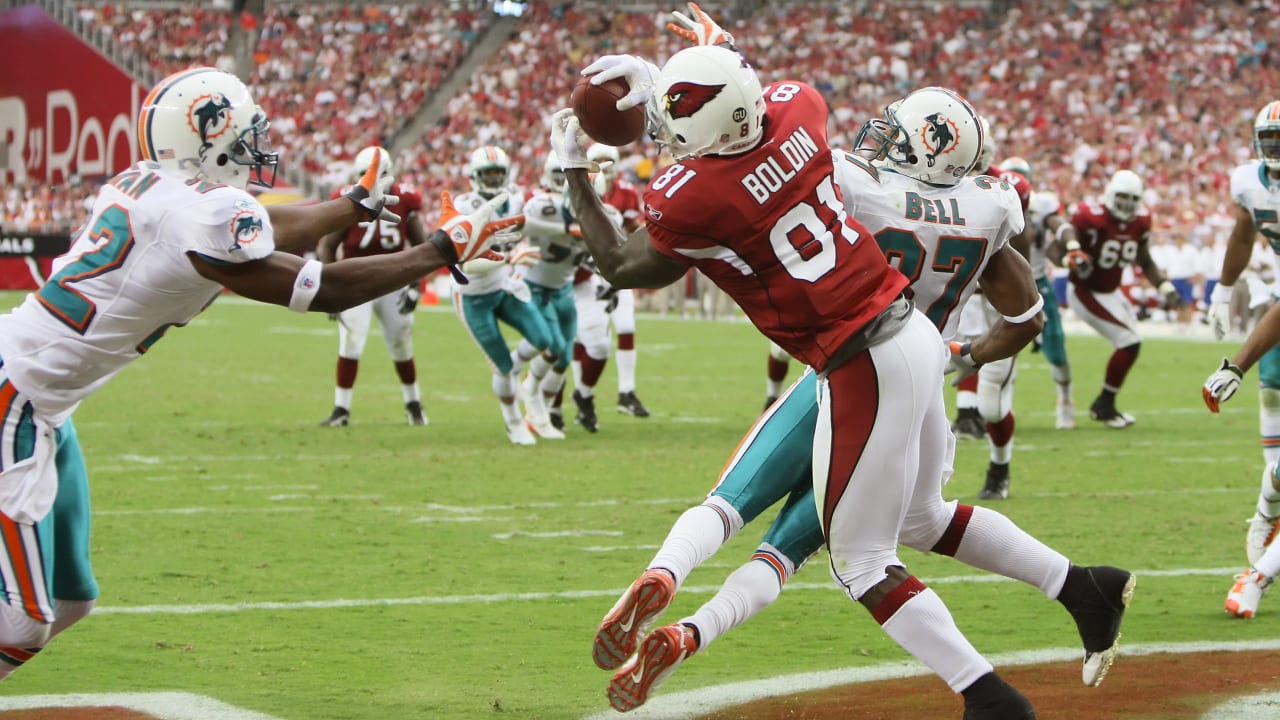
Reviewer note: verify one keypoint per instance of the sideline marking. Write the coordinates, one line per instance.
(163, 705)
(564, 595)
(692, 703)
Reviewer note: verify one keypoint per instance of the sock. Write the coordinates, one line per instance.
(538, 368)
(748, 590)
(348, 368)
(967, 393)
(1269, 495)
(1269, 423)
(696, 535)
(521, 356)
(985, 539)
(1062, 378)
(626, 360)
(776, 374)
(1118, 366)
(591, 371)
(1000, 439)
(916, 618)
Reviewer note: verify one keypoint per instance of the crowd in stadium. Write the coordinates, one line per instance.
(1167, 89)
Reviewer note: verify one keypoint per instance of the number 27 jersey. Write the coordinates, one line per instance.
(769, 228)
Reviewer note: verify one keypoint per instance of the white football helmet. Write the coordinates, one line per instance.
(1123, 194)
(202, 123)
(707, 101)
(1018, 165)
(489, 170)
(987, 154)
(365, 157)
(1266, 135)
(932, 135)
(552, 173)
(600, 153)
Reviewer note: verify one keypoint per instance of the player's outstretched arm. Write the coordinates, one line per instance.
(1224, 381)
(298, 224)
(1009, 286)
(625, 261)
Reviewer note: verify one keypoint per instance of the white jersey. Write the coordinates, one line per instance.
(1040, 207)
(125, 280)
(490, 281)
(939, 237)
(1259, 193)
(549, 227)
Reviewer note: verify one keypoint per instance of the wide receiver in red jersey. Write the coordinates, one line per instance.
(394, 311)
(1112, 235)
(752, 203)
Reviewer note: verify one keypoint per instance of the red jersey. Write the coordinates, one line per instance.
(1017, 180)
(624, 196)
(768, 226)
(377, 237)
(1110, 243)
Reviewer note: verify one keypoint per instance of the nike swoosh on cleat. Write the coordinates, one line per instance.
(638, 675)
(631, 620)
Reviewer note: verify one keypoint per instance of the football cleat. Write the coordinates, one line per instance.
(968, 424)
(1262, 530)
(1242, 600)
(659, 656)
(1099, 595)
(340, 417)
(1066, 416)
(1104, 411)
(519, 434)
(586, 412)
(413, 411)
(630, 404)
(997, 485)
(991, 698)
(557, 418)
(631, 617)
(543, 428)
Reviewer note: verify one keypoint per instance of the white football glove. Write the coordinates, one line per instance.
(470, 236)
(371, 193)
(699, 29)
(961, 362)
(1219, 313)
(1221, 385)
(640, 74)
(570, 142)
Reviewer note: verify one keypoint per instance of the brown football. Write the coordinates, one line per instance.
(596, 108)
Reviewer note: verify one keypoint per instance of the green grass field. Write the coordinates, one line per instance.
(385, 572)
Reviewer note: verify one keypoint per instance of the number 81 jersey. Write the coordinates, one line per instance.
(940, 238)
(767, 226)
(125, 280)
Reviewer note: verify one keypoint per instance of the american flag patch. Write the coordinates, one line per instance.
(165, 155)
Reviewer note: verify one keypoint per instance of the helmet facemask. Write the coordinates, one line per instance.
(252, 149)
(1266, 144)
(1123, 195)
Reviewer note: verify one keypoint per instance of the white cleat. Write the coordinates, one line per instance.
(519, 434)
(1262, 530)
(1246, 593)
(543, 428)
(1066, 419)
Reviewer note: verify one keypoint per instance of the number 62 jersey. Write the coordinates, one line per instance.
(125, 280)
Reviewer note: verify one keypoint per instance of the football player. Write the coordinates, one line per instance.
(164, 238)
(993, 390)
(395, 311)
(1255, 187)
(492, 293)
(824, 293)
(1049, 229)
(1110, 236)
(556, 235)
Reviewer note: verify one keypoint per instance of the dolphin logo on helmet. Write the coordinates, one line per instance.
(209, 116)
(938, 137)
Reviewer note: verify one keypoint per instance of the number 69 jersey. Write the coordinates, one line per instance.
(768, 227)
(125, 280)
(941, 238)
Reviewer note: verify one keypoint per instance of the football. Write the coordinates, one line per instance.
(596, 108)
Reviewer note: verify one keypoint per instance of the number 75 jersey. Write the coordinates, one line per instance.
(940, 238)
(125, 280)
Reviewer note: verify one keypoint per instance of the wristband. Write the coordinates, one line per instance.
(305, 286)
(1220, 297)
(1031, 312)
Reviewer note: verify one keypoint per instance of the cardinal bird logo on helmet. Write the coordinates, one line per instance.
(683, 99)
